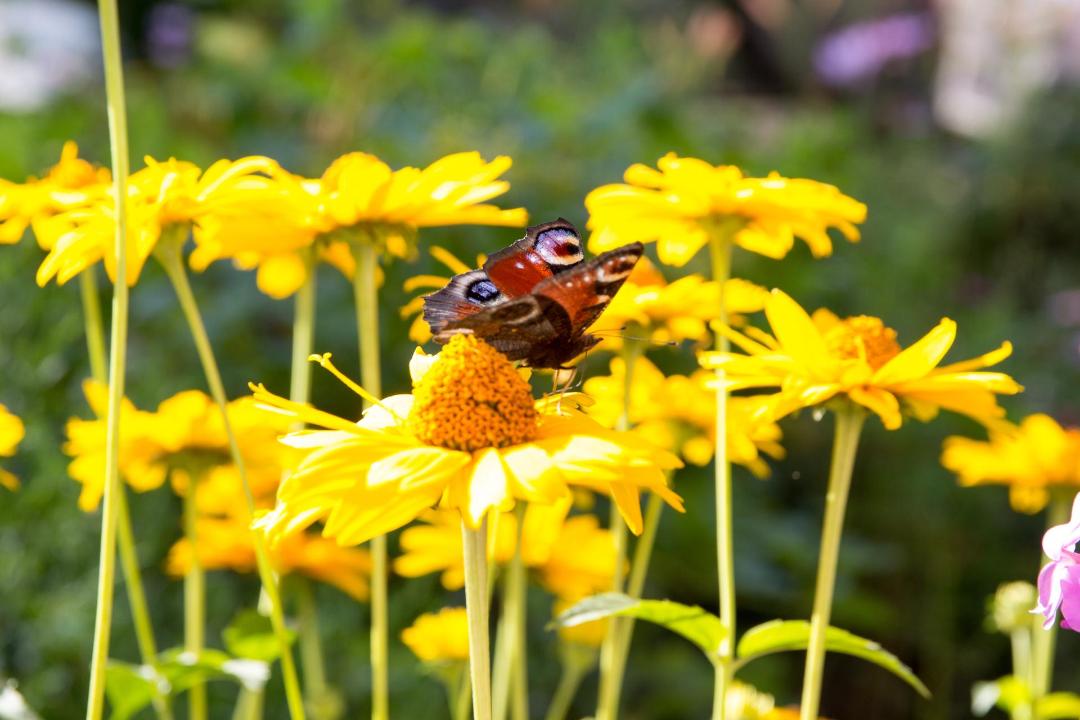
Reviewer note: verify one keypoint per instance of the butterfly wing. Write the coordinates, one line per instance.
(516, 328)
(586, 289)
(545, 251)
(466, 294)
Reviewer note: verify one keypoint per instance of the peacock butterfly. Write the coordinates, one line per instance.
(534, 300)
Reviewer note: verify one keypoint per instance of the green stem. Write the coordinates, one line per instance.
(194, 600)
(168, 253)
(114, 93)
(612, 658)
(723, 672)
(565, 691)
(249, 705)
(1020, 640)
(474, 547)
(366, 297)
(720, 252)
(129, 558)
(1042, 658)
(849, 422)
(504, 641)
(517, 607)
(462, 698)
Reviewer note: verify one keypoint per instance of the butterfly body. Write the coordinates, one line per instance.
(534, 300)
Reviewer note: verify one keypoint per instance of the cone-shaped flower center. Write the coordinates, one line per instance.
(863, 337)
(472, 398)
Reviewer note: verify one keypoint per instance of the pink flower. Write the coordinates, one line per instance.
(1059, 580)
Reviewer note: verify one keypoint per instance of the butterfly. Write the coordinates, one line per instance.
(534, 300)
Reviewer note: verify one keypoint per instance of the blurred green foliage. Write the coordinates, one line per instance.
(574, 93)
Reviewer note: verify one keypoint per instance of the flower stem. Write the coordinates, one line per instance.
(462, 698)
(1020, 640)
(612, 652)
(249, 705)
(194, 600)
(720, 252)
(114, 92)
(569, 682)
(129, 557)
(849, 422)
(366, 297)
(168, 253)
(517, 606)
(1042, 656)
(474, 545)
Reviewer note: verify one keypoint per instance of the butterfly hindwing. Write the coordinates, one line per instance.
(515, 327)
(466, 294)
(546, 250)
(585, 290)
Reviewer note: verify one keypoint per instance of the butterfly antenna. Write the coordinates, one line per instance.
(637, 338)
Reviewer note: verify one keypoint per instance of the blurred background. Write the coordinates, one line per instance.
(956, 121)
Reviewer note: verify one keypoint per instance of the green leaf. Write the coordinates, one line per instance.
(184, 669)
(251, 635)
(1006, 693)
(784, 635)
(130, 688)
(695, 624)
(1058, 706)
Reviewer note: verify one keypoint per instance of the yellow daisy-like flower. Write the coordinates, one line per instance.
(225, 543)
(572, 557)
(469, 438)
(686, 200)
(1032, 458)
(361, 197)
(439, 637)
(12, 432)
(678, 413)
(233, 199)
(72, 181)
(812, 360)
(647, 306)
(419, 332)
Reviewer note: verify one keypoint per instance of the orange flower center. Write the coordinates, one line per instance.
(863, 338)
(472, 398)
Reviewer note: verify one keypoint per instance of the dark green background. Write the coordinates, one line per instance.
(983, 232)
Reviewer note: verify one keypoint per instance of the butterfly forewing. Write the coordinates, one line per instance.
(546, 250)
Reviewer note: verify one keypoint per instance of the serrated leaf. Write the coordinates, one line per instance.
(130, 688)
(786, 635)
(251, 635)
(694, 623)
(1058, 706)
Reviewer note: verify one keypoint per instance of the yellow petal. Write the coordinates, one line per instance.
(918, 360)
(797, 334)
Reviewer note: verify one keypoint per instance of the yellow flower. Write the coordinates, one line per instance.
(572, 557)
(649, 307)
(1031, 458)
(72, 181)
(419, 332)
(439, 637)
(678, 413)
(812, 360)
(686, 200)
(228, 199)
(470, 438)
(11, 434)
(359, 196)
(225, 543)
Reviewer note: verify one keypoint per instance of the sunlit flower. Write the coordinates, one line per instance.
(470, 438)
(419, 332)
(572, 557)
(1031, 458)
(812, 360)
(439, 637)
(11, 434)
(226, 543)
(650, 308)
(683, 203)
(678, 413)
(1059, 580)
(229, 199)
(71, 182)
(359, 198)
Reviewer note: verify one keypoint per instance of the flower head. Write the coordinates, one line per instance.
(72, 181)
(1059, 580)
(234, 199)
(683, 202)
(812, 360)
(226, 543)
(1031, 458)
(650, 307)
(678, 413)
(470, 439)
(439, 637)
(11, 434)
